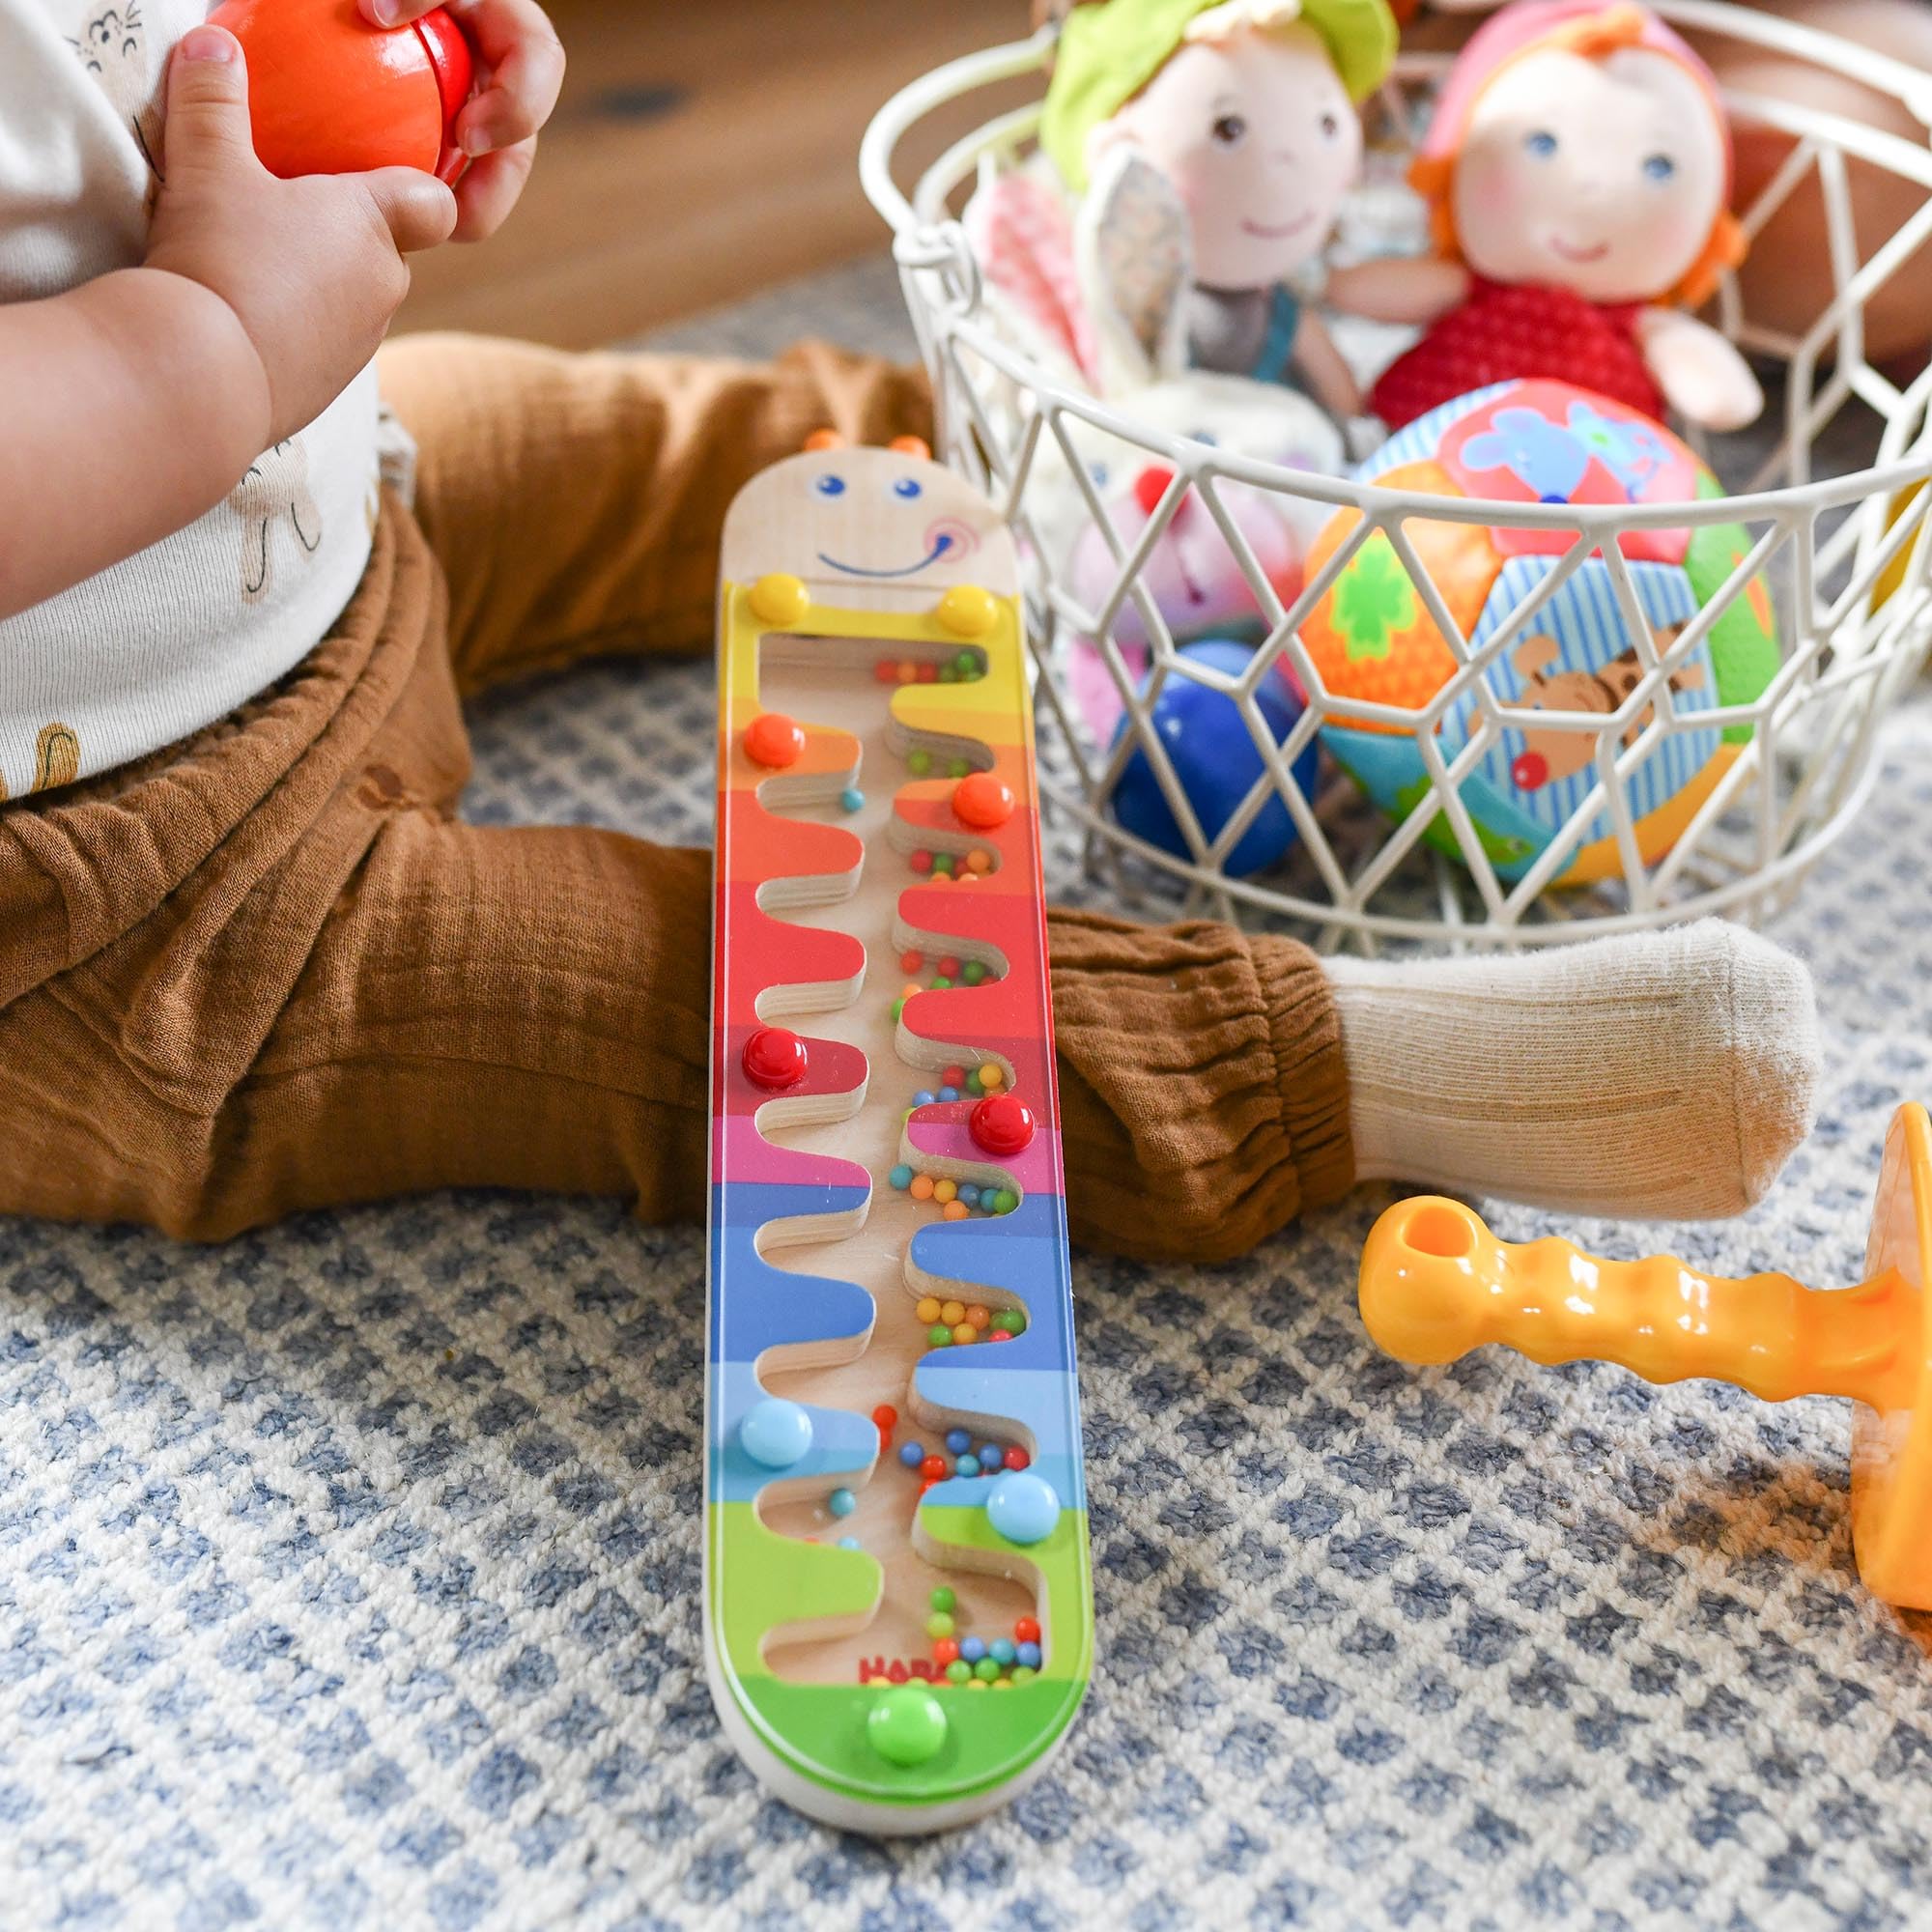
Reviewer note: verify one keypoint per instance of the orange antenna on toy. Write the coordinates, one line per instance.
(914, 446)
(822, 439)
(1435, 1283)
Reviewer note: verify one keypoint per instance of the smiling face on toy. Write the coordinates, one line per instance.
(1601, 176)
(864, 518)
(1258, 134)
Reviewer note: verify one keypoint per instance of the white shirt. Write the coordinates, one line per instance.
(178, 635)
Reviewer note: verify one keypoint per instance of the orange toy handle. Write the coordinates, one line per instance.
(1436, 1282)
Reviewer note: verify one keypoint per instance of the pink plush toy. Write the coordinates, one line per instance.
(1579, 171)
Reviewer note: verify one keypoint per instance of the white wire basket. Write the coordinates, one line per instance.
(1844, 557)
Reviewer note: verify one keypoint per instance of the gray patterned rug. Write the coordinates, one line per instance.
(348, 1574)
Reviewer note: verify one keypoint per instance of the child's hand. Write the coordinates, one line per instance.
(313, 268)
(521, 62)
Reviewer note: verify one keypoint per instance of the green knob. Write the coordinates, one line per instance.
(906, 1726)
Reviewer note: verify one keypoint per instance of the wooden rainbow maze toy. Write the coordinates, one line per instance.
(898, 1617)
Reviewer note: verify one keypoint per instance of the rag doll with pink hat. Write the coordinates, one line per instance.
(1578, 172)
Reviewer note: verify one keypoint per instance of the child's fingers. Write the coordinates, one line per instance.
(489, 189)
(524, 61)
(421, 212)
(208, 103)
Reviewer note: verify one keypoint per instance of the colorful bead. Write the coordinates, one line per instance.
(1022, 1508)
(850, 1543)
(1024, 1673)
(908, 672)
(966, 1466)
(1016, 1459)
(780, 599)
(942, 864)
(900, 1177)
(969, 1194)
(978, 860)
(939, 1624)
(912, 962)
(974, 1683)
(999, 1335)
(946, 1651)
(991, 1456)
(1004, 1201)
(852, 798)
(986, 1670)
(922, 1187)
(913, 1454)
(963, 1332)
(918, 763)
(1001, 1650)
(939, 1335)
(907, 1725)
(775, 1059)
(958, 1670)
(1027, 1656)
(898, 1007)
(974, 970)
(972, 1648)
(953, 1313)
(841, 1502)
(774, 741)
(955, 1211)
(924, 1097)
(959, 769)
(944, 1190)
(911, 987)
(941, 984)
(934, 1468)
(775, 1432)
(948, 675)
(886, 1416)
(992, 1076)
(885, 671)
(928, 1309)
(921, 861)
(977, 1316)
(982, 801)
(1011, 1319)
(967, 664)
(949, 1094)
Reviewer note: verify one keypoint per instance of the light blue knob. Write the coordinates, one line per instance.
(1022, 1506)
(776, 1433)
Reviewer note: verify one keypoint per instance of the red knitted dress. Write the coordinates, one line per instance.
(1511, 329)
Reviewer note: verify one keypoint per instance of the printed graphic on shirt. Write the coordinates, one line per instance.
(275, 487)
(114, 48)
(56, 758)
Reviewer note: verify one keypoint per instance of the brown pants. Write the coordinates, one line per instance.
(271, 970)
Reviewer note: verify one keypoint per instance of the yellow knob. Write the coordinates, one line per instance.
(780, 599)
(968, 612)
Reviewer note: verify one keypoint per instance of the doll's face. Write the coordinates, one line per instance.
(1262, 142)
(1603, 176)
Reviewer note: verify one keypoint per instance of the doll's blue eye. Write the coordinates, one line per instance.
(831, 486)
(1659, 167)
(908, 489)
(1230, 131)
(1541, 143)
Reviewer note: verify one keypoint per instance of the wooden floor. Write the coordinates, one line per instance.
(703, 149)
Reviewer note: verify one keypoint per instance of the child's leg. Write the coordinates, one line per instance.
(576, 501)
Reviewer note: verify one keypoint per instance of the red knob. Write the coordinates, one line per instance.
(1003, 1124)
(775, 1059)
(1530, 772)
(774, 741)
(982, 801)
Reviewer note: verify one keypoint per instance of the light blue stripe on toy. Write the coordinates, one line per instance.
(1421, 442)
(1586, 622)
(842, 1443)
(1036, 1405)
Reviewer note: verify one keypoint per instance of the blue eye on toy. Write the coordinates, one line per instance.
(1658, 167)
(831, 486)
(1100, 474)
(1541, 143)
(907, 489)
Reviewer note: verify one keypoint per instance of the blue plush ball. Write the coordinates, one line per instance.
(1215, 760)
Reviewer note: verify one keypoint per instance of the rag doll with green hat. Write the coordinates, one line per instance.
(1248, 108)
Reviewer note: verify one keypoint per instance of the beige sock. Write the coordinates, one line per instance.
(1661, 1076)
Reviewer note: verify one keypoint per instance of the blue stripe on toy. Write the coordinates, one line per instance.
(756, 1306)
(1021, 1255)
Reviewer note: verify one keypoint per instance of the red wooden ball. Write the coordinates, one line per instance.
(329, 93)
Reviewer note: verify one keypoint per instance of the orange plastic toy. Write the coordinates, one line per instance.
(1435, 1283)
(331, 94)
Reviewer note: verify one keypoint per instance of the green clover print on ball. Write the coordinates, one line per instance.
(1374, 602)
